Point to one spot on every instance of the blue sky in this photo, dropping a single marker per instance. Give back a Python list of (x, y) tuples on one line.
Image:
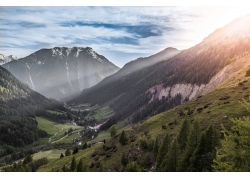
[(119, 33)]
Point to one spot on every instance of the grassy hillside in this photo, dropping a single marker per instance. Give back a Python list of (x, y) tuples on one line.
[(214, 108), (57, 131)]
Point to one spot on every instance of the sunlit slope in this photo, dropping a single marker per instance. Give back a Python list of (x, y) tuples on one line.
[(193, 68), (215, 107)]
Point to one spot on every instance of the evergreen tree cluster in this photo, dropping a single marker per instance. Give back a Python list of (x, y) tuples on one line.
[(192, 150), (19, 105), (27, 165), (75, 166), (234, 154), (155, 107)]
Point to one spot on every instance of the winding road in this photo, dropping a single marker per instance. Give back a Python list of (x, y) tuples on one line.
[(54, 135), (65, 136)]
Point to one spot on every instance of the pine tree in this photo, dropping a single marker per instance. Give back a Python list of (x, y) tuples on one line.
[(123, 139), (156, 147), (133, 167), (101, 168), (85, 145), (113, 131), (85, 168), (79, 167), (183, 134), (75, 150), (67, 152), (193, 141), (162, 151), (234, 155), (27, 159), (73, 164), (172, 158), (64, 169), (205, 152), (124, 160)]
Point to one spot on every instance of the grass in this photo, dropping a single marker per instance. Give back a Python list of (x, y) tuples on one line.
[(57, 163), (101, 114), (52, 128), (214, 114), (70, 137), (57, 112), (50, 154)]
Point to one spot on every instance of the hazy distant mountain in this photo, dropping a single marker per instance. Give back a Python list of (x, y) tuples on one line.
[(141, 63), (6, 59), (61, 72)]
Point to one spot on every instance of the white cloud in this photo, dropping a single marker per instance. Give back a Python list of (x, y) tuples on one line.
[(189, 26)]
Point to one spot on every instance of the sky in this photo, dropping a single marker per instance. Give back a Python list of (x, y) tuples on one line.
[(120, 33)]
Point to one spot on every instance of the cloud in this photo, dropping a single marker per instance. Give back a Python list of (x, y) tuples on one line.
[(118, 32)]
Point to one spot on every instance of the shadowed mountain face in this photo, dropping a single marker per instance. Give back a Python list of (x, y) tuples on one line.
[(61, 72), (19, 104)]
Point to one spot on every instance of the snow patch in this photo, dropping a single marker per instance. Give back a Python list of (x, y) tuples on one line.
[(62, 90), (57, 52), (27, 66), (98, 125), (94, 55), (31, 82), (68, 51), (77, 52), (68, 73), (53, 52), (2, 56)]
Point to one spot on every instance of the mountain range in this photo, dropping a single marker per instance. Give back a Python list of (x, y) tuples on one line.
[(61, 72), (166, 110)]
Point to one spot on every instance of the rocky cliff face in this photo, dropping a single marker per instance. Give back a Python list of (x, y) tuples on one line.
[(187, 91), (61, 72), (191, 91)]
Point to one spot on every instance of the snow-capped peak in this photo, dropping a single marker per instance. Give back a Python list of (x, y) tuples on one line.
[(93, 54), (6, 59)]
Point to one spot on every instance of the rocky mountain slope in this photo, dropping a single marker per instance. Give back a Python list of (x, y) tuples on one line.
[(61, 72)]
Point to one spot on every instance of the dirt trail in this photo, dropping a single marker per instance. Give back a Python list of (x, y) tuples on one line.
[(65, 136), (54, 135)]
